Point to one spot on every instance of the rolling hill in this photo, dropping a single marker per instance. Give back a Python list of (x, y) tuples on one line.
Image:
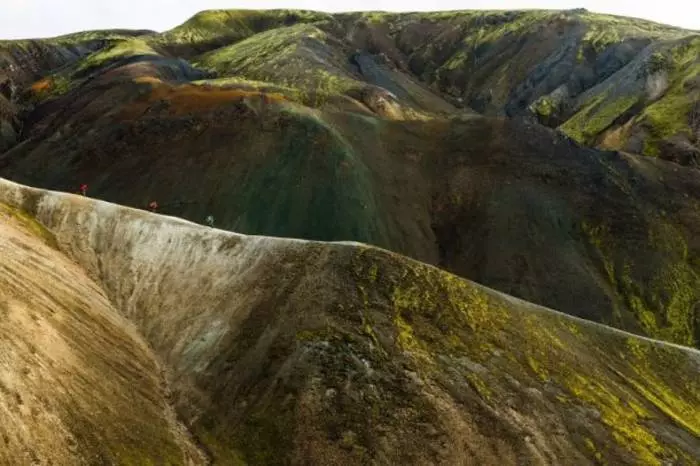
[(376, 128), (280, 351), (441, 238)]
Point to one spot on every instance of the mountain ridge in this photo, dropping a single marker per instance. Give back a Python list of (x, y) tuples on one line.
[(411, 195), (125, 251)]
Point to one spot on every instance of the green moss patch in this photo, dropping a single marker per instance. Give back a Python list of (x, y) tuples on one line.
[(29, 224), (596, 117), (660, 296)]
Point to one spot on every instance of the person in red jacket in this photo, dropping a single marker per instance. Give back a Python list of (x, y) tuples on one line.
[(153, 206), (83, 189)]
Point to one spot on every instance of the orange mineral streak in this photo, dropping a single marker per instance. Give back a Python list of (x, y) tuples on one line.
[(188, 98), (41, 86)]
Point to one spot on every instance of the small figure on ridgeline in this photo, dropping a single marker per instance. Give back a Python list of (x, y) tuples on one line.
[(153, 206), (209, 221), (83, 189)]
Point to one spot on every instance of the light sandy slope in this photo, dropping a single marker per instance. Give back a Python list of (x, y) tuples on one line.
[(286, 351), (78, 385)]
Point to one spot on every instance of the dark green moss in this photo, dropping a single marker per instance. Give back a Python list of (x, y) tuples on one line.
[(284, 198)]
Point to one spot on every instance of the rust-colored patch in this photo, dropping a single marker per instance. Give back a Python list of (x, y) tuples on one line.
[(188, 99), (42, 86), (148, 80)]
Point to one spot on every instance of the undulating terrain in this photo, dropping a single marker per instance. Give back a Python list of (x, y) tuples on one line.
[(408, 179), (134, 338), (467, 140)]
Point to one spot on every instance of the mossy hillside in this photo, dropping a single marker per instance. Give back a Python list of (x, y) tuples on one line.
[(251, 85), (463, 59), (26, 61), (605, 30), (312, 186), (61, 81), (671, 114), (661, 297), (499, 60), (661, 118), (297, 57), (475, 55), (489, 27), (82, 37), (212, 28), (50, 87), (311, 53), (585, 126), (118, 50), (39, 58), (438, 317), (402, 341), (317, 99), (313, 59)]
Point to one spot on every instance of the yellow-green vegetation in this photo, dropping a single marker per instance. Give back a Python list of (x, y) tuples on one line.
[(480, 386), (670, 115), (544, 106), (666, 117), (102, 35), (597, 116), (248, 84), (624, 408), (437, 317), (72, 39), (377, 17), (605, 30), (656, 390), (623, 419), (660, 296), (487, 28), (120, 49), (28, 223), (425, 299), (212, 25), (291, 57), (590, 444), (52, 86)]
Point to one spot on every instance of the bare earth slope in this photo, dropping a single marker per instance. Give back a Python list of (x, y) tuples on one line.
[(78, 385), (286, 351)]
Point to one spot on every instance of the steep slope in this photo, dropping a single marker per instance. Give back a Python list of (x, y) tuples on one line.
[(588, 74), (77, 383), (24, 65), (615, 82), (282, 351), (346, 127), (490, 199)]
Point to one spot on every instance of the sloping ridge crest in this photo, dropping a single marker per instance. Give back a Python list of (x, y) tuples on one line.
[(230, 315), (85, 227)]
